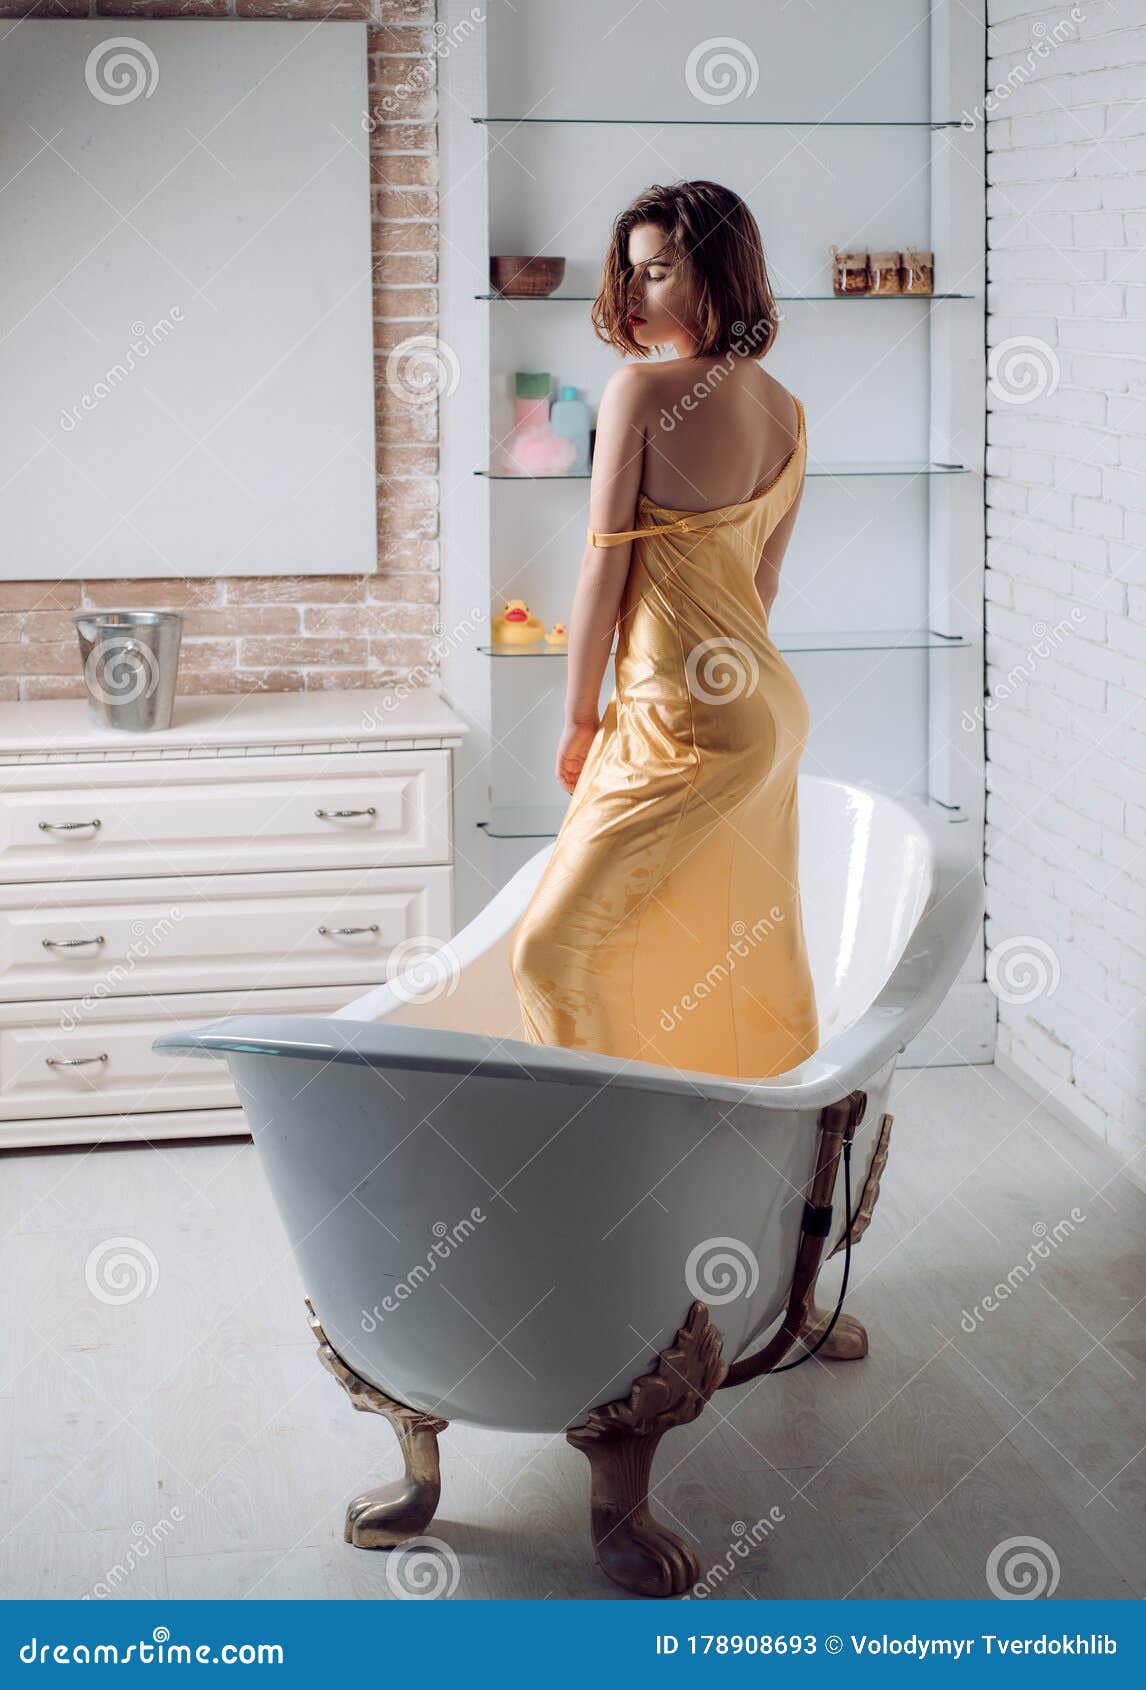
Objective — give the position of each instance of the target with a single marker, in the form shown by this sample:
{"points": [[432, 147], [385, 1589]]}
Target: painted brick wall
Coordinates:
{"points": [[1066, 578], [293, 633]]}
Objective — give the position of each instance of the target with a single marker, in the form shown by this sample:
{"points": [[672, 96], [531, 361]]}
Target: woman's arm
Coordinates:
{"points": [[772, 555], [618, 463]]}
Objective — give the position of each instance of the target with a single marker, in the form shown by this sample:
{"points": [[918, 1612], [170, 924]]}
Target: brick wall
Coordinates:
{"points": [[281, 633], [1066, 582]]}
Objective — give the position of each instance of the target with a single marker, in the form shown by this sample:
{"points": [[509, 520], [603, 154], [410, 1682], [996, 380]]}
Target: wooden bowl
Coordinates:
{"points": [[525, 278]]}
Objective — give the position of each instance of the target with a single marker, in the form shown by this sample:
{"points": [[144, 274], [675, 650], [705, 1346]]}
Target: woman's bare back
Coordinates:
{"points": [[716, 430]]}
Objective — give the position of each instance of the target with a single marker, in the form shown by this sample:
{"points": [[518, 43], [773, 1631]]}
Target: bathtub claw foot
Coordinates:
{"points": [[848, 1341], [387, 1516], [620, 1439], [636, 1551]]}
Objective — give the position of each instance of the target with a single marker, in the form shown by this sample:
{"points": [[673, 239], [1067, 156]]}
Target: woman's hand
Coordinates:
{"points": [[572, 749]]}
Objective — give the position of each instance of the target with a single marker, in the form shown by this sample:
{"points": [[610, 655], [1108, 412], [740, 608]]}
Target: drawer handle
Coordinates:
{"points": [[66, 944], [73, 1061], [373, 928], [65, 827], [327, 815]]}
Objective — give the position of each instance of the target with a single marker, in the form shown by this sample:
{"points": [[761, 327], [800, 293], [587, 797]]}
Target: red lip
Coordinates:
{"points": [[633, 318]]}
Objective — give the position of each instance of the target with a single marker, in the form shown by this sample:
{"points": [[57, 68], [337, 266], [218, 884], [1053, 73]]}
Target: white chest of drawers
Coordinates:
{"points": [[264, 854]]}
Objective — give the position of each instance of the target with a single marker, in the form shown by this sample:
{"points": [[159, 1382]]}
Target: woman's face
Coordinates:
{"points": [[658, 294]]}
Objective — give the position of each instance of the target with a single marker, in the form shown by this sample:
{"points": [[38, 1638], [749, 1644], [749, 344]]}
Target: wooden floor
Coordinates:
{"points": [[187, 1443]]}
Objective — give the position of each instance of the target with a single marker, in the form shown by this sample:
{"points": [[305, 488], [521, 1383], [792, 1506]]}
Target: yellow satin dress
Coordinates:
{"points": [[666, 926]]}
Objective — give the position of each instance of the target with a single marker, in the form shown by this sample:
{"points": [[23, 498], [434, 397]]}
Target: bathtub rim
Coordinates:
{"points": [[927, 968]]}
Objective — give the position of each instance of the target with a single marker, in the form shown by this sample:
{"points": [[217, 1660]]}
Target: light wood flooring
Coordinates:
{"points": [[195, 1423]]}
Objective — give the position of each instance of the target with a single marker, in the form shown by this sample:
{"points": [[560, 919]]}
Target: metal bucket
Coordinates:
{"points": [[130, 659]]}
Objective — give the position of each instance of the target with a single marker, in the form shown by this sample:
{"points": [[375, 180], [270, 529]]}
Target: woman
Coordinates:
{"points": [[666, 926]]}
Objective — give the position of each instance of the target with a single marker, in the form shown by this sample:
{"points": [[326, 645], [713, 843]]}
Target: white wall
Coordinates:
{"points": [[1066, 582]]}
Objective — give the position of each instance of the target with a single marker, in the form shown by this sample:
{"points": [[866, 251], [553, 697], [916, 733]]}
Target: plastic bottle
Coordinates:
{"points": [[569, 416], [531, 398]]}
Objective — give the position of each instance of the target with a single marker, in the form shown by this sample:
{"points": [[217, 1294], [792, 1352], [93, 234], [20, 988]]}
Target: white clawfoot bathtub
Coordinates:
{"points": [[506, 1234]]}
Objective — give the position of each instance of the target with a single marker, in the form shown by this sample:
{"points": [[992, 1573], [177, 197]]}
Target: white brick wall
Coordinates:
{"points": [[1066, 555]]}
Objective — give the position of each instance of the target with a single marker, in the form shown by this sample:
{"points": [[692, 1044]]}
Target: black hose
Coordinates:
{"points": [[827, 1332]]}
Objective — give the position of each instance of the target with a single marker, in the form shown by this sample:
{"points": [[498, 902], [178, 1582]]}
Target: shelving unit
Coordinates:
{"points": [[782, 298], [880, 604], [921, 639], [741, 122], [834, 471]]}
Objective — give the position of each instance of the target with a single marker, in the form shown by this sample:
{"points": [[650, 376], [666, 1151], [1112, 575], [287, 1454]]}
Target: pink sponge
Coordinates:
{"points": [[539, 451]]}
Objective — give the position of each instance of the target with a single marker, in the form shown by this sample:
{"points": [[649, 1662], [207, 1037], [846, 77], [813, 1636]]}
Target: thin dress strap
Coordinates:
{"points": [[596, 539], [681, 525]]}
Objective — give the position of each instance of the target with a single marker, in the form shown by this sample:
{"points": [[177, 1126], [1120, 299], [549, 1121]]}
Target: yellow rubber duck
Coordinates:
{"points": [[515, 626], [557, 635]]}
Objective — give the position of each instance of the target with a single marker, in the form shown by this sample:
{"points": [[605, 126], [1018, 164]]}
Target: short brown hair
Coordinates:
{"points": [[714, 231]]}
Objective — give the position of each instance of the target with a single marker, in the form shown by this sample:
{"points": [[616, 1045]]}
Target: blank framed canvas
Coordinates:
{"points": [[186, 348]]}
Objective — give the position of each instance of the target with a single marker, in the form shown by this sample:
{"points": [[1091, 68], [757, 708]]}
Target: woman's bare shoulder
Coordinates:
{"points": [[676, 376], [642, 395], [782, 406], [624, 396]]}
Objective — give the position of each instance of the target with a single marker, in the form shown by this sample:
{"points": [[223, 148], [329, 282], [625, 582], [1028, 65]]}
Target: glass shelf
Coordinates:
{"points": [[538, 649], [746, 122], [880, 639], [783, 298], [541, 821], [828, 471], [523, 821]]}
